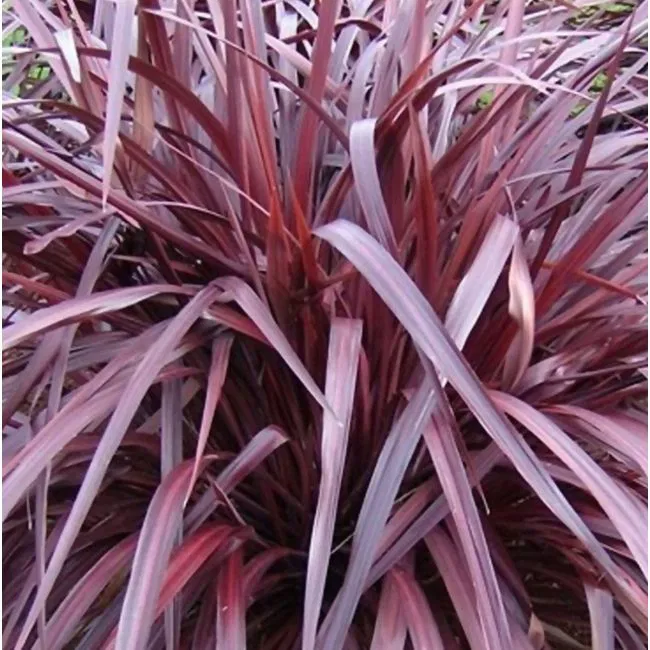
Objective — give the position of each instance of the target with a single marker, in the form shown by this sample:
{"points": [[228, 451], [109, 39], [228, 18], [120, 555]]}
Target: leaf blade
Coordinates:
{"points": [[342, 369], [403, 298], [118, 67], [378, 501]]}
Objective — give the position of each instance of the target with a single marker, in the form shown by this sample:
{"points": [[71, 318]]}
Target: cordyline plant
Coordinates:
{"points": [[324, 325]]}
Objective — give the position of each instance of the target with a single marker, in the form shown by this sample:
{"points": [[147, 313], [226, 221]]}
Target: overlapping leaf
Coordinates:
{"points": [[183, 366]]}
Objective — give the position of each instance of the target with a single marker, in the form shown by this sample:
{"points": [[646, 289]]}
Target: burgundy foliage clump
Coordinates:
{"points": [[324, 325]]}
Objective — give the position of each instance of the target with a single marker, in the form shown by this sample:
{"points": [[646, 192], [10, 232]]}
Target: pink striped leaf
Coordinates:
{"points": [[398, 291], [231, 608], [340, 383]]}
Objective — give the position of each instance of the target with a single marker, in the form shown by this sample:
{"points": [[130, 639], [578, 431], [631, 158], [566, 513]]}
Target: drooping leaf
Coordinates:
{"points": [[72, 310], [260, 315], [619, 506], [399, 292], [134, 391], [176, 145]]}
